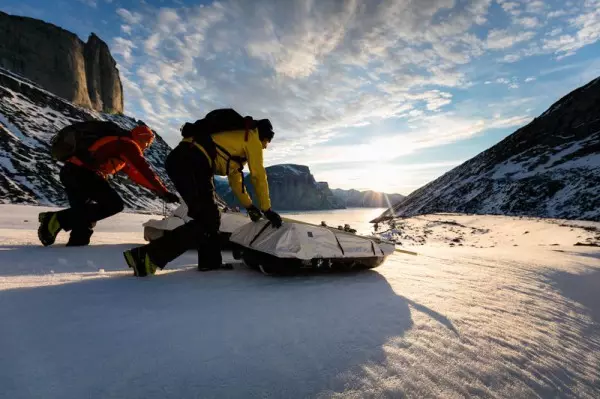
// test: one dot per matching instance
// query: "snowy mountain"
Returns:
(291, 187)
(548, 168)
(367, 199)
(29, 117)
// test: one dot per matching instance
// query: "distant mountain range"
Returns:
(548, 168)
(293, 187)
(367, 199)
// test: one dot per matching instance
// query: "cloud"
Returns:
(529, 22)
(132, 18)
(91, 3)
(529, 79)
(123, 47)
(428, 132)
(304, 65)
(502, 39)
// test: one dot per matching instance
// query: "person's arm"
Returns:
(138, 169)
(258, 174)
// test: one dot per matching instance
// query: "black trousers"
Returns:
(91, 199)
(191, 173)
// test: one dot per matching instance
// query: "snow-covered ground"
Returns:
(462, 321)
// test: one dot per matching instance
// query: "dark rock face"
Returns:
(292, 187)
(367, 199)
(548, 168)
(103, 83)
(57, 60)
(29, 117)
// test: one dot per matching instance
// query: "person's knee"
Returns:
(208, 217)
(115, 205)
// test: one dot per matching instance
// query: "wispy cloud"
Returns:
(91, 3)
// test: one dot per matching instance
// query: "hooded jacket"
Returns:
(243, 147)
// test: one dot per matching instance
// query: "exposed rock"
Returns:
(104, 85)
(548, 168)
(292, 187)
(57, 60)
(367, 199)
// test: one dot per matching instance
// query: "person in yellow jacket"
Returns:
(191, 167)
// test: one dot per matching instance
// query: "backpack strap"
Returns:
(235, 158)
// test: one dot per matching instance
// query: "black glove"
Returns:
(273, 217)
(170, 198)
(254, 213)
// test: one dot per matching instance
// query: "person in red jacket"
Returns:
(91, 198)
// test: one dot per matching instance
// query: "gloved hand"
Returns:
(170, 198)
(273, 217)
(254, 213)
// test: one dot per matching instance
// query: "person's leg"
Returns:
(91, 198)
(190, 172)
(74, 185)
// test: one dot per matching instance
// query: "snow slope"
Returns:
(548, 168)
(451, 322)
(29, 117)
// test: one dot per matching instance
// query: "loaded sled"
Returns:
(294, 247)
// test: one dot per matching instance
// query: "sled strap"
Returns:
(339, 244)
(373, 248)
(260, 232)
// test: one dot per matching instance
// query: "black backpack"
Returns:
(76, 139)
(217, 121)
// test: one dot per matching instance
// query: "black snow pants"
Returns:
(191, 173)
(91, 199)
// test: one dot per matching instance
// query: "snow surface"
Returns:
(451, 322)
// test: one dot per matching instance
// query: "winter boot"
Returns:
(80, 238)
(140, 262)
(49, 228)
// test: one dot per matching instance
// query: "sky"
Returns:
(381, 95)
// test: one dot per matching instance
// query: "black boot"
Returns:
(80, 238)
(209, 253)
(140, 262)
(49, 227)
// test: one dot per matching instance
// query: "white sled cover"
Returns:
(306, 241)
(230, 221)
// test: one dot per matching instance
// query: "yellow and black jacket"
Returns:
(242, 149)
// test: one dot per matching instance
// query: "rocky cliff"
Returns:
(367, 199)
(57, 60)
(292, 187)
(548, 168)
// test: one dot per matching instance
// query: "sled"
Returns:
(230, 221)
(294, 247)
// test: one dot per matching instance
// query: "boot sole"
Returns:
(41, 220)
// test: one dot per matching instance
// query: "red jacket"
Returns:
(113, 154)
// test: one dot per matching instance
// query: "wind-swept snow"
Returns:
(451, 322)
